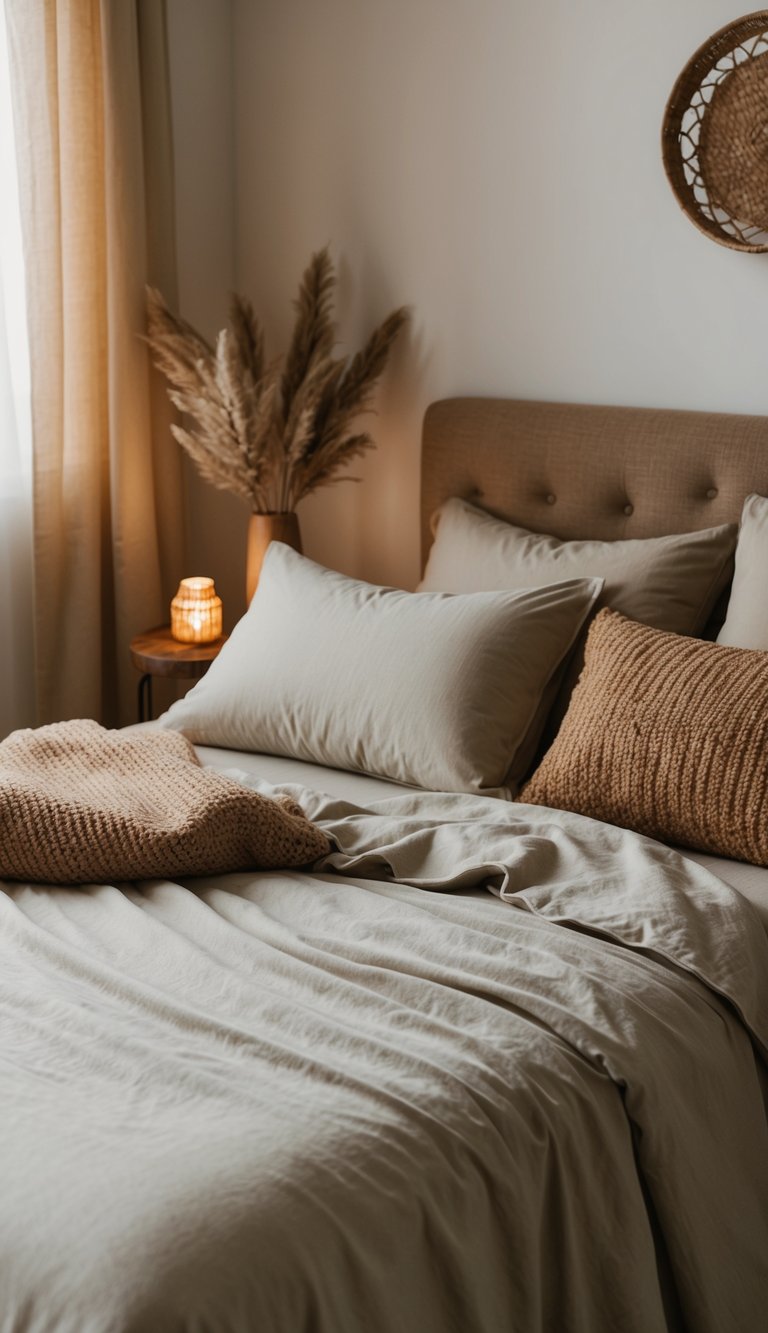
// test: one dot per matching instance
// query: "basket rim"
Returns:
(699, 64)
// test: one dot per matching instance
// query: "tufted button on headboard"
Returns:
(580, 471)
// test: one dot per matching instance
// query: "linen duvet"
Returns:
(377, 1098)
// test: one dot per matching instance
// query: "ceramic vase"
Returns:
(263, 529)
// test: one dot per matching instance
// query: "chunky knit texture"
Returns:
(79, 804)
(668, 736)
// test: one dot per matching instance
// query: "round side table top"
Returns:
(157, 653)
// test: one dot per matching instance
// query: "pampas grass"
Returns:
(270, 432)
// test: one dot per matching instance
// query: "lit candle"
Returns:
(196, 612)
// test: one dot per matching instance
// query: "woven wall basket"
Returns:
(714, 139)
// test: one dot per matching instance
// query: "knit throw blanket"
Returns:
(79, 804)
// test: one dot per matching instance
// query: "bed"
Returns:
(375, 1096)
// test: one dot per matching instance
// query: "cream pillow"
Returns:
(428, 689)
(669, 582)
(746, 622)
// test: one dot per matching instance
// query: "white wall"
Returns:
(496, 164)
(202, 102)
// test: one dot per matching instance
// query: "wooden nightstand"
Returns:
(157, 653)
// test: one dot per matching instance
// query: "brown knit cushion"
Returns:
(668, 736)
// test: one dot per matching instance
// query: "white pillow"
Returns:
(433, 690)
(746, 622)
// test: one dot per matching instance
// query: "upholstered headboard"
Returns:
(581, 471)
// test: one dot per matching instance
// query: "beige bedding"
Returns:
(750, 881)
(288, 1102)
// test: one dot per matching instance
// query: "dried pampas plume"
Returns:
(271, 433)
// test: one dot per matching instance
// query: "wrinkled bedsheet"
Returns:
(339, 1103)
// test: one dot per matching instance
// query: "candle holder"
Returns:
(196, 612)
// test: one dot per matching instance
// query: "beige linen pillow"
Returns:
(428, 689)
(668, 736)
(746, 621)
(669, 582)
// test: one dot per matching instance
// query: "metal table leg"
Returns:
(145, 698)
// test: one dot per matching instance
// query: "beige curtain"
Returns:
(91, 106)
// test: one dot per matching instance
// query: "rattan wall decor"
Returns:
(714, 139)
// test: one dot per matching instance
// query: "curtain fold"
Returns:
(17, 695)
(92, 116)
